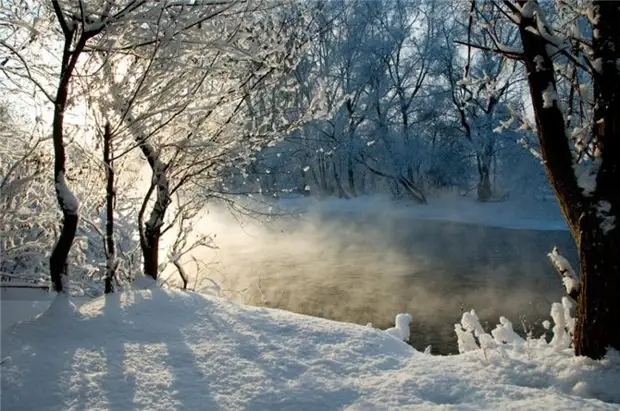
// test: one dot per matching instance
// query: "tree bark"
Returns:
(598, 309)
(150, 231)
(150, 251)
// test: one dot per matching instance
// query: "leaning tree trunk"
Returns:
(592, 215)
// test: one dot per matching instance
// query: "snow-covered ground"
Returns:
(530, 214)
(166, 349)
(27, 304)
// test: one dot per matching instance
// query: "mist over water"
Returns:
(367, 267)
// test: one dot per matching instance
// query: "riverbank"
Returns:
(166, 349)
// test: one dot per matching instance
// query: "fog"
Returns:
(368, 266)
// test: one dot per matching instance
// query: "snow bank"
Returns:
(167, 349)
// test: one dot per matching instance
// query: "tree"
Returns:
(579, 136)
(231, 64)
(77, 26)
(485, 90)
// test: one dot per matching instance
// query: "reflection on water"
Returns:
(368, 271)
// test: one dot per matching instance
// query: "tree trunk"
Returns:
(304, 182)
(60, 253)
(110, 273)
(598, 309)
(182, 273)
(351, 177)
(66, 200)
(150, 251)
(484, 183)
(341, 192)
(150, 231)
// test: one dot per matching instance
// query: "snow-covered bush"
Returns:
(471, 336)
(28, 217)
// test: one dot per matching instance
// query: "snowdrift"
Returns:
(167, 349)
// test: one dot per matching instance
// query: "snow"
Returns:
(69, 200)
(549, 96)
(608, 221)
(167, 349)
(528, 9)
(504, 333)
(401, 330)
(539, 61)
(597, 64)
(21, 304)
(569, 278)
(586, 176)
(564, 324)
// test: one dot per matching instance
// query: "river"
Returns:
(363, 269)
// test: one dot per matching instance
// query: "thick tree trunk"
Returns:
(599, 245)
(150, 251)
(110, 273)
(598, 308)
(151, 230)
(58, 259)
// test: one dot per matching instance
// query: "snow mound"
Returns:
(167, 349)
(401, 330)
